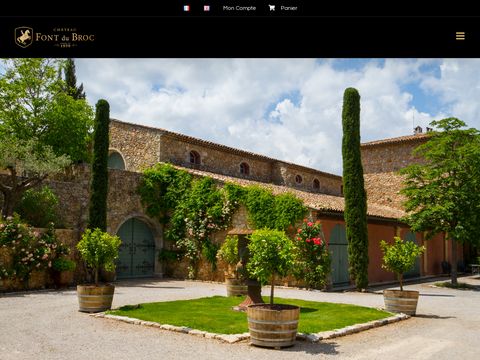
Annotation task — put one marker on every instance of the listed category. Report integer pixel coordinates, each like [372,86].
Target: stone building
[135,147]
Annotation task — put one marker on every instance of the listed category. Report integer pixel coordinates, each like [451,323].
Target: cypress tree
[99,185]
[354,190]
[71,81]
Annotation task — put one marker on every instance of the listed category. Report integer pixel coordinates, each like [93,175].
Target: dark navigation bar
[239,36]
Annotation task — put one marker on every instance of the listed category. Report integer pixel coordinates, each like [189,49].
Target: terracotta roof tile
[321,202]
[384,189]
[408,138]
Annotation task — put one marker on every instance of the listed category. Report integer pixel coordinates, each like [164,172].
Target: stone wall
[285,174]
[138,145]
[178,152]
[389,157]
[142,146]
[41,279]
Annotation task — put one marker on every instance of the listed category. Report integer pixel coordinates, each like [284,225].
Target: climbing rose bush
[29,249]
[313,262]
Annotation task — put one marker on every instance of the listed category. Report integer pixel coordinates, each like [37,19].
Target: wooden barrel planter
[235,287]
[93,298]
[273,325]
[401,301]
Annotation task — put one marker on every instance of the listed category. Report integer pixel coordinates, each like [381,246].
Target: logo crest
[24,36]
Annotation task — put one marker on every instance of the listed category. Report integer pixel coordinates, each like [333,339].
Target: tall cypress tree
[71,81]
[354,190]
[99,185]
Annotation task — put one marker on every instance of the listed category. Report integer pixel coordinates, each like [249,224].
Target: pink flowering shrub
[312,257]
[30,250]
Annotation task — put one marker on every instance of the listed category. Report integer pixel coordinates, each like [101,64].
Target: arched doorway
[415,272]
[338,246]
[115,161]
[137,252]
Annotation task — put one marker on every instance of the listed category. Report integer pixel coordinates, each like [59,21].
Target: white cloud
[459,89]
[285,108]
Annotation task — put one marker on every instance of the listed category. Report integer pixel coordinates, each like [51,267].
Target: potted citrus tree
[228,253]
[271,256]
[399,258]
[99,250]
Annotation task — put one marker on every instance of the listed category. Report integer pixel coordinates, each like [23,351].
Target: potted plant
[63,269]
[99,250]
[234,280]
[399,258]
[271,255]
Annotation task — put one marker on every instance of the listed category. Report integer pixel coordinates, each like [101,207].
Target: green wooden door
[415,272]
[339,251]
[137,252]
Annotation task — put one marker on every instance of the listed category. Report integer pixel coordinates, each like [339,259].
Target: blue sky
[288,109]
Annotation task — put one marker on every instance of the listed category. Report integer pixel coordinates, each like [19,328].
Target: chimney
[417,130]
[429,129]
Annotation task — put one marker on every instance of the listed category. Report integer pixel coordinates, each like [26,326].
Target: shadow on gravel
[313,349]
[154,286]
[147,283]
[434,317]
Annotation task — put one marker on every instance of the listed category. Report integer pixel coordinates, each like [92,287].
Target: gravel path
[47,325]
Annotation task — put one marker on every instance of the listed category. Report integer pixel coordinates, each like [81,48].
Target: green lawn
[215,314]
[460,285]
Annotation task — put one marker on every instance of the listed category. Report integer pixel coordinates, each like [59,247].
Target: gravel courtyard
[47,325]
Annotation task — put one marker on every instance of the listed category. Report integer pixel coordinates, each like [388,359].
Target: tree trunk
[8,203]
[400,280]
[96,276]
[454,263]
[271,289]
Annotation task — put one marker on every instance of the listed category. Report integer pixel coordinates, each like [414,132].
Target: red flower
[308,240]
[299,231]
[310,223]
[305,220]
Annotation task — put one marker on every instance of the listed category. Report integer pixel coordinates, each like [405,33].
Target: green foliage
[260,204]
[99,249]
[162,188]
[266,210]
[209,252]
[70,133]
[204,210]
[71,87]
[33,106]
[29,249]
[271,254]
[443,192]
[99,186]
[193,209]
[169,255]
[400,256]
[228,252]
[63,264]
[312,258]
[25,157]
[38,207]
[354,190]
